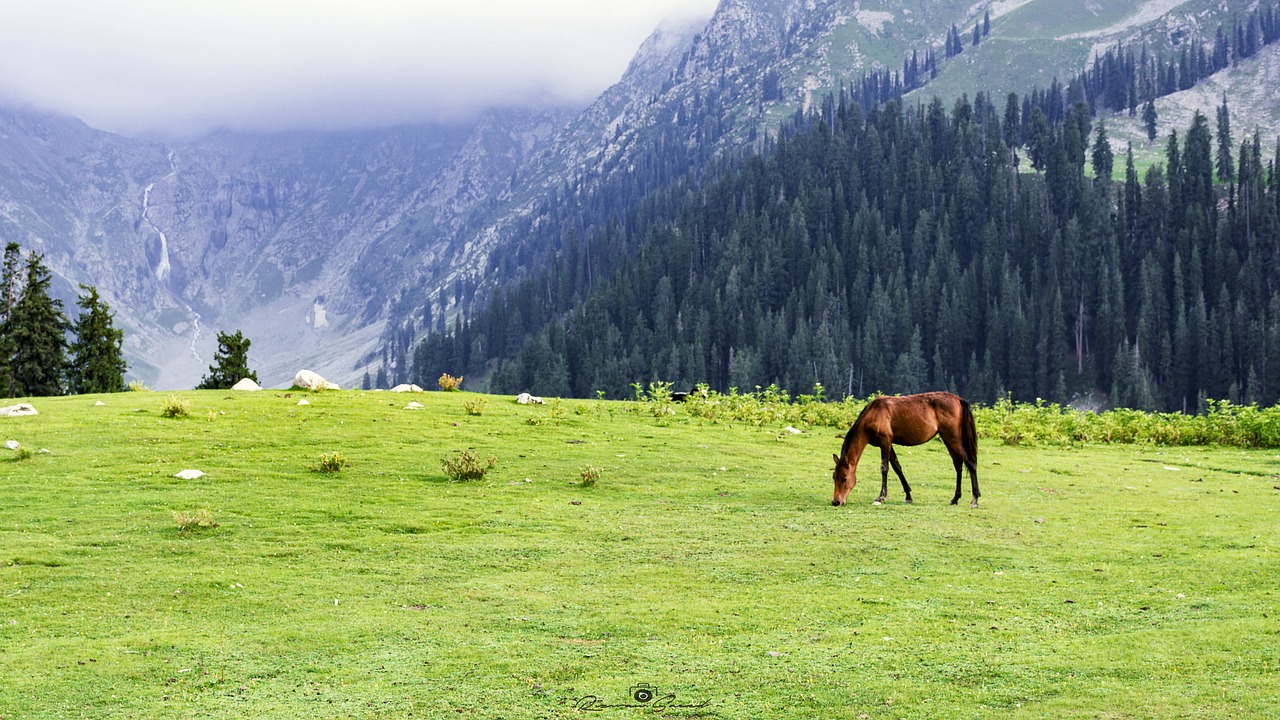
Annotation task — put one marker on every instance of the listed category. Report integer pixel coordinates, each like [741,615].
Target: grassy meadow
[1116,581]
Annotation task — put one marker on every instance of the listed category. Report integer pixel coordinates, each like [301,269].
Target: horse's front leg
[885,452]
[897,468]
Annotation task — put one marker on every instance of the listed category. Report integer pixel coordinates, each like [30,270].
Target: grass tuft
[464,466]
[590,475]
[195,520]
[175,406]
[330,463]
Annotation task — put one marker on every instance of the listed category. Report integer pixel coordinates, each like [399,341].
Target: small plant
[475,407]
[138,386]
[466,466]
[449,383]
[590,475]
[175,406]
[330,463]
[197,520]
[22,454]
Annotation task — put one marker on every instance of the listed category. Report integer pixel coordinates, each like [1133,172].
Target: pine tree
[97,354]
[230,363]
[37,329]
[1103,159]
[1149,118]
[9,289]
[1224,167]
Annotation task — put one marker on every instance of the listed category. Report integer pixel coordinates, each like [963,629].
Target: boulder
[527,399]
[189,474]
[413,406]
[12,444]
[19,409]
[406,388]
[312,381]
[247,384]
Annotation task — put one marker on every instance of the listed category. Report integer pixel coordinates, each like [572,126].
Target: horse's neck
[854,446]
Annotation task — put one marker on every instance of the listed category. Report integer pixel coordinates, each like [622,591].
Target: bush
[475,407]
[175,406]
[330,463]
[197,520]
[590,475]
[22,454]
[138,386]
[466,466]
[449,383]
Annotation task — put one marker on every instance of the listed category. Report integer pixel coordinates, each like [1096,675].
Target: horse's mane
[853,431]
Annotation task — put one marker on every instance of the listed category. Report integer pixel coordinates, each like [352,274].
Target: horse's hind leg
[959,463]
[973,477]
[897,468]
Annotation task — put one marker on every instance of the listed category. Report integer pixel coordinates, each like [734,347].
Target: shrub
[138,386]
[175,406]
[21,454]
[197,520]
[449,383]
[466,466]
[590,474]
[330,463]
[475,407]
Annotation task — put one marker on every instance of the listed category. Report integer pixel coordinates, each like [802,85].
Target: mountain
[288,237]
[338,250]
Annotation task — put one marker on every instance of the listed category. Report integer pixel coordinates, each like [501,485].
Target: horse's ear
[836,458]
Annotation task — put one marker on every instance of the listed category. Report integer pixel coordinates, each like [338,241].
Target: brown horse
[908,420]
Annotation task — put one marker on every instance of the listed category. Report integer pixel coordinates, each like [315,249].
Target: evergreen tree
[1149,118]
[1224,167]
[230,363]
[97,353]
[1103,159]
[37,329]
[10,287]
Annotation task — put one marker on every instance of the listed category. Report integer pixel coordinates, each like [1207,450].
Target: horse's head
[845,478]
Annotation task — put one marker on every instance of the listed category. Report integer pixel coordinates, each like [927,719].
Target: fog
[185,68]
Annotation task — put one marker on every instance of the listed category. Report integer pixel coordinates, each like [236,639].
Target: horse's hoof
[908,501]
[877,502]
[955,501]
[973,504]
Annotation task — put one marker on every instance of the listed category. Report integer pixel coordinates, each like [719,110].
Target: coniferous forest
[906,248]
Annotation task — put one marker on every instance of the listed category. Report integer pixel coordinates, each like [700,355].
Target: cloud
[148,66]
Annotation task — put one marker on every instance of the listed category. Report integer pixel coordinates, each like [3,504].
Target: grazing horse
[908,420]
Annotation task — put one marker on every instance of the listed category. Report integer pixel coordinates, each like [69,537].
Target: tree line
[1123,78]
[44,353]
[905,248]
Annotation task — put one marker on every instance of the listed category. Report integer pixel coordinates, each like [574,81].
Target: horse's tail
[968,434]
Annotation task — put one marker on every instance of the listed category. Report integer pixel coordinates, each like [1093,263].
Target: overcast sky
[189,66]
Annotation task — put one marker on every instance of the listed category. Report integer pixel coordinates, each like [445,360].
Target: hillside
[339,250]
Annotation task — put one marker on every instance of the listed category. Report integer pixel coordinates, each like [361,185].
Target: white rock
[189,474]
[791,430]
[413,406]
[99,404]
[247,384]
[303,401]
[11,444]
[406,388]
[527,399]
[312,381]
[19,409]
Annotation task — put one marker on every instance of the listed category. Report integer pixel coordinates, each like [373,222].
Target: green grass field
[1098,581]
